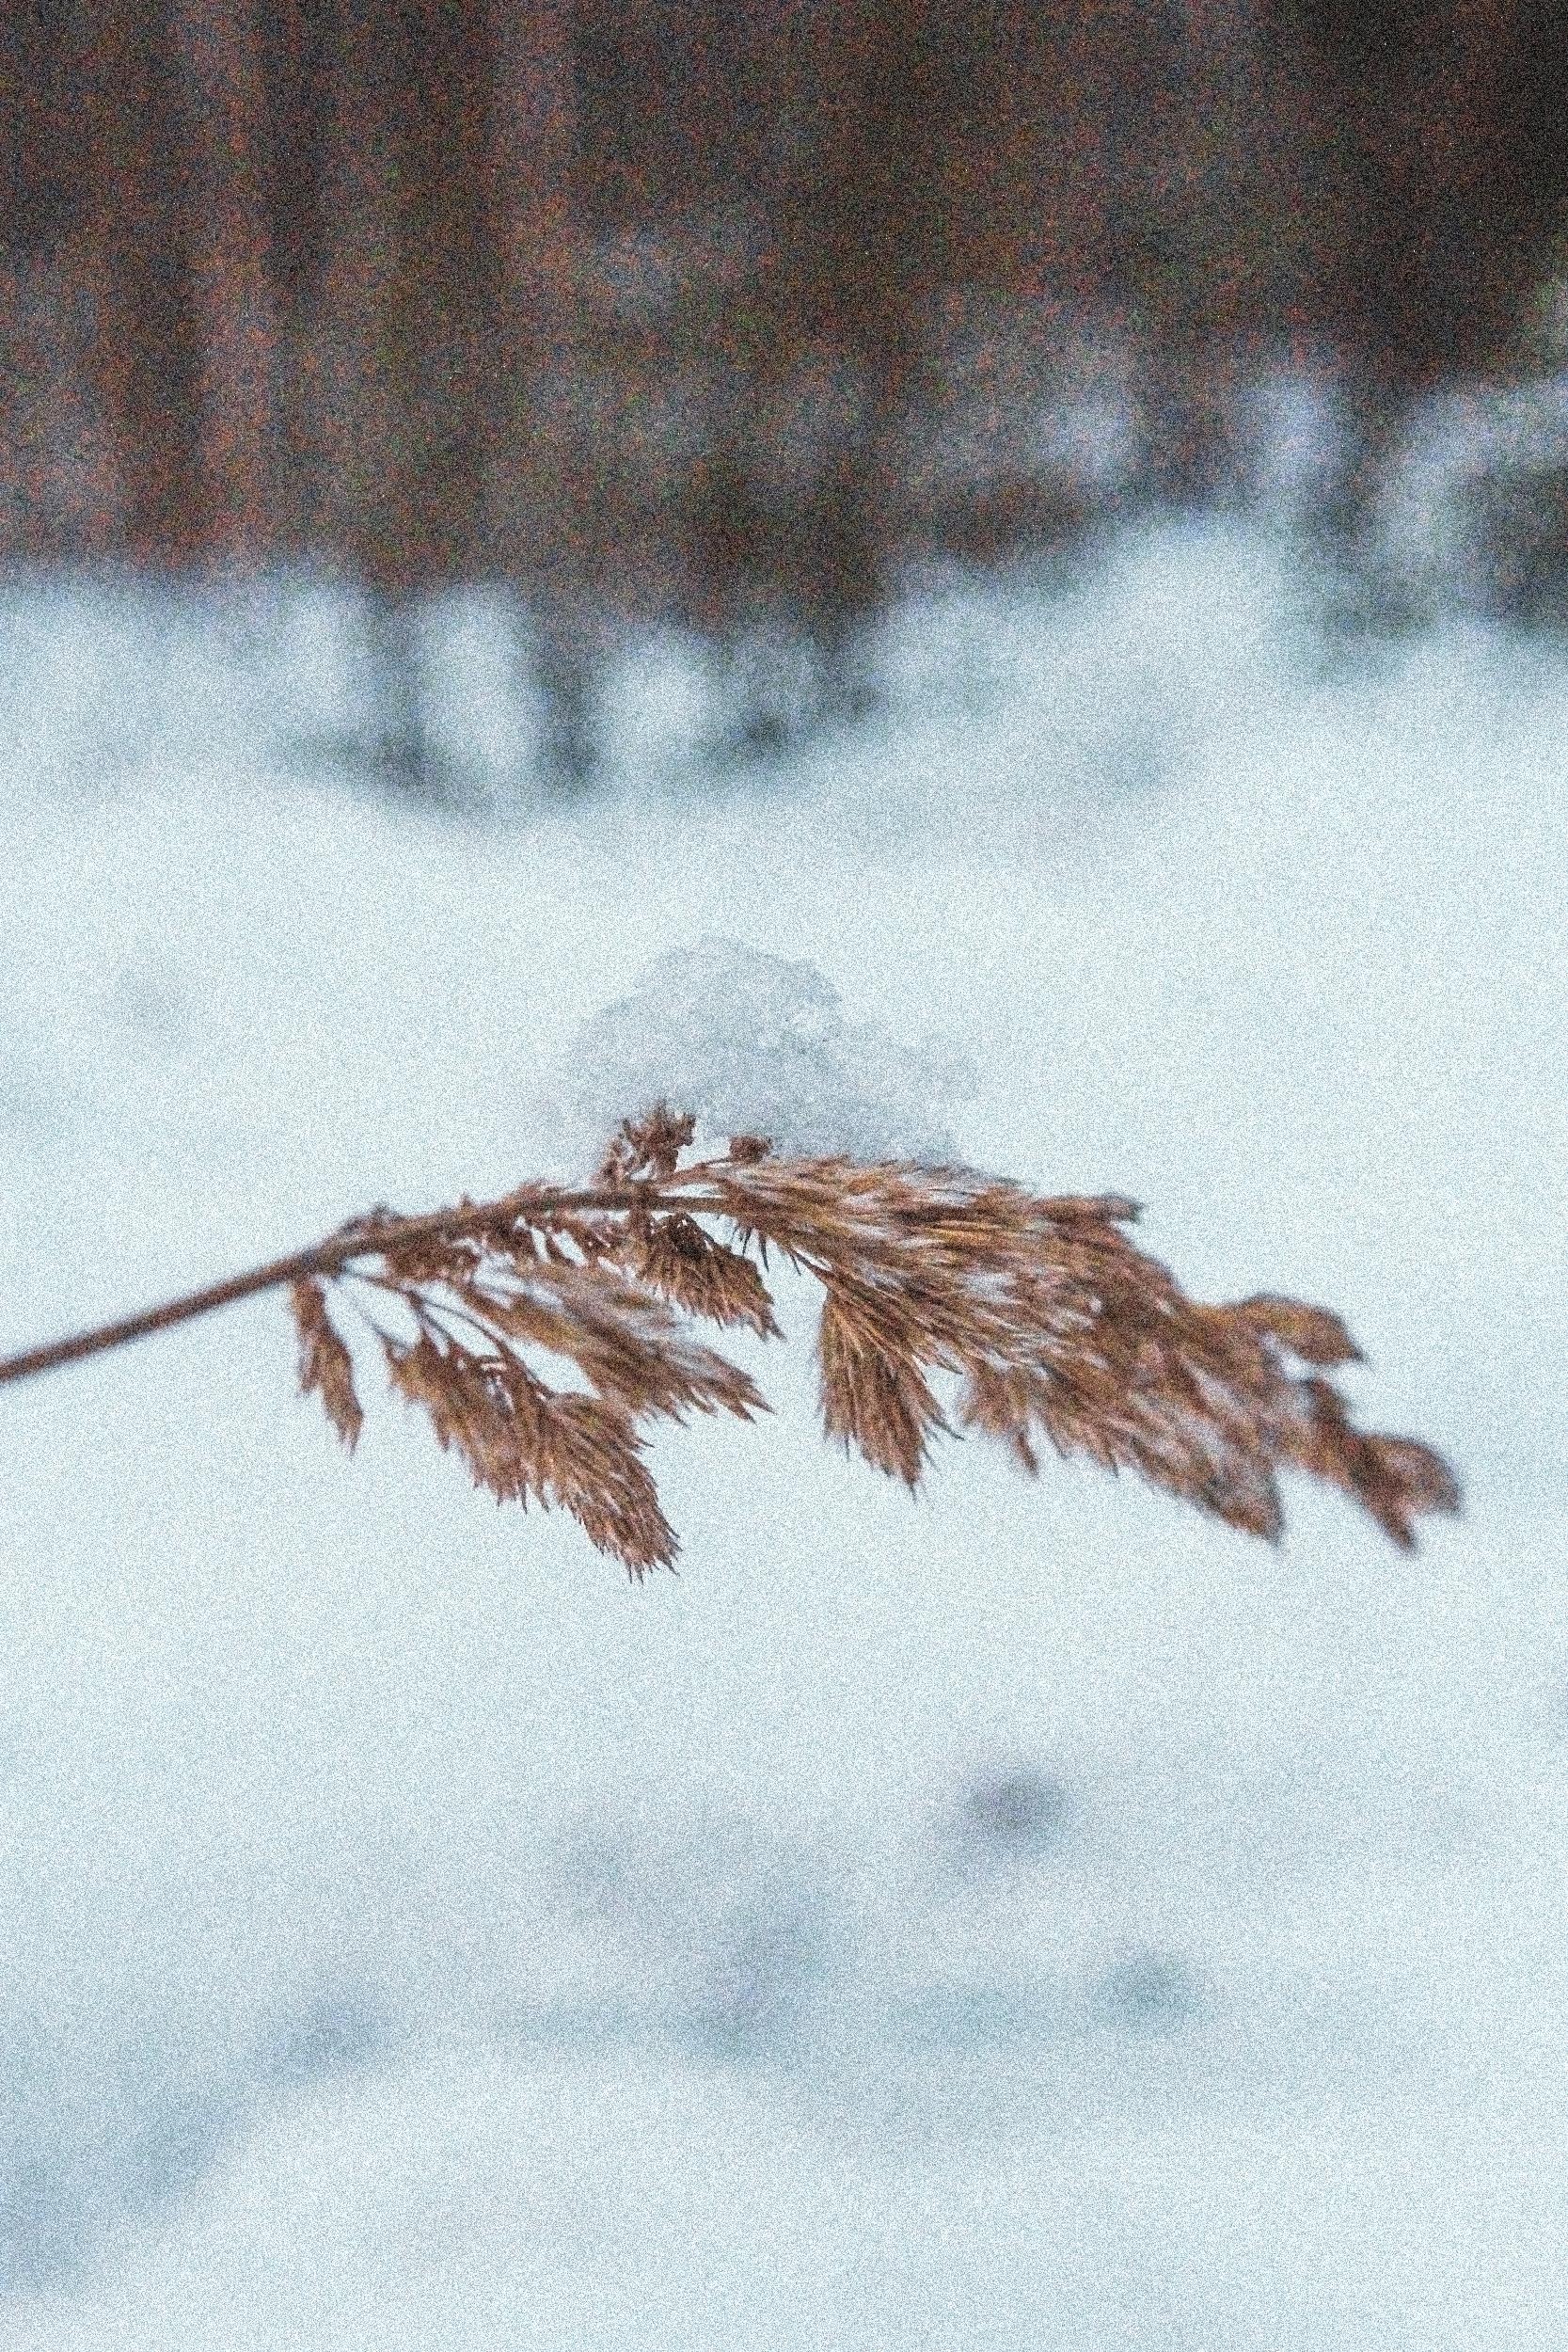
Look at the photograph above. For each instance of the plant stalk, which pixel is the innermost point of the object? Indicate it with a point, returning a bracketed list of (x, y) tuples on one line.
[(365, 1238)]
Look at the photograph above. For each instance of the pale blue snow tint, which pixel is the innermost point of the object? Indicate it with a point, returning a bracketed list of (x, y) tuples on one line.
[(1031, 1919)]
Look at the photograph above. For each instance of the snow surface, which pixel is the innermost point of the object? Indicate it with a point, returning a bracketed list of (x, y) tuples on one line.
[(1029, 1917), (752, 1044)]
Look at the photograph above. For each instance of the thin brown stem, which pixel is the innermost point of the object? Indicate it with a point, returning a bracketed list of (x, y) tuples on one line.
[(367, 1239)]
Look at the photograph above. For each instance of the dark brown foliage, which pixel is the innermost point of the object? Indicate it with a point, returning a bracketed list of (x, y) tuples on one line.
[(345, 280)]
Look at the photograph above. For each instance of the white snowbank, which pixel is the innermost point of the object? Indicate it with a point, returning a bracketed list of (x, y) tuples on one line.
[(1029, 1916)]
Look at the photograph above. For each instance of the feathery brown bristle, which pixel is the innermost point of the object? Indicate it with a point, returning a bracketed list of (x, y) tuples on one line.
[(324, 1364), (1039, 1312), (1312, 1333), (1057, 1327), (523, 1441), (682, 1263), (1049, 1324), (875, 1395), (649, 1147)]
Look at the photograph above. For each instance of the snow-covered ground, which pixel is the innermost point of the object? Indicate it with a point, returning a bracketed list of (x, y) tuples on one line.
[(1028, 1919)]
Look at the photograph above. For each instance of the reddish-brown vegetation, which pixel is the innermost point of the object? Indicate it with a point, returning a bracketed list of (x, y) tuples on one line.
[(951, 1301)]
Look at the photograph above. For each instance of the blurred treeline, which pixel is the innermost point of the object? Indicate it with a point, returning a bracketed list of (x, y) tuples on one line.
[(687, 307)]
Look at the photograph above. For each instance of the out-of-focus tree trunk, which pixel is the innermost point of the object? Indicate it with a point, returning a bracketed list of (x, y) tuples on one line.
[(1211, 206), (227, 238), (129, 260), (447, 285), (538, 522), (531, 188), (296, 54), (880, 96), (1440, 128), (1439, 181), (360, 414), (360, 354)]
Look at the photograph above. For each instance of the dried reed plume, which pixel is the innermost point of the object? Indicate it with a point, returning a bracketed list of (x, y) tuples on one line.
[(1039, 1317)]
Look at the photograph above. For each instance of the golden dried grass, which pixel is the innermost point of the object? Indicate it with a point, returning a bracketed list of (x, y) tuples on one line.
[(950, 1302), (1047, 1323)]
